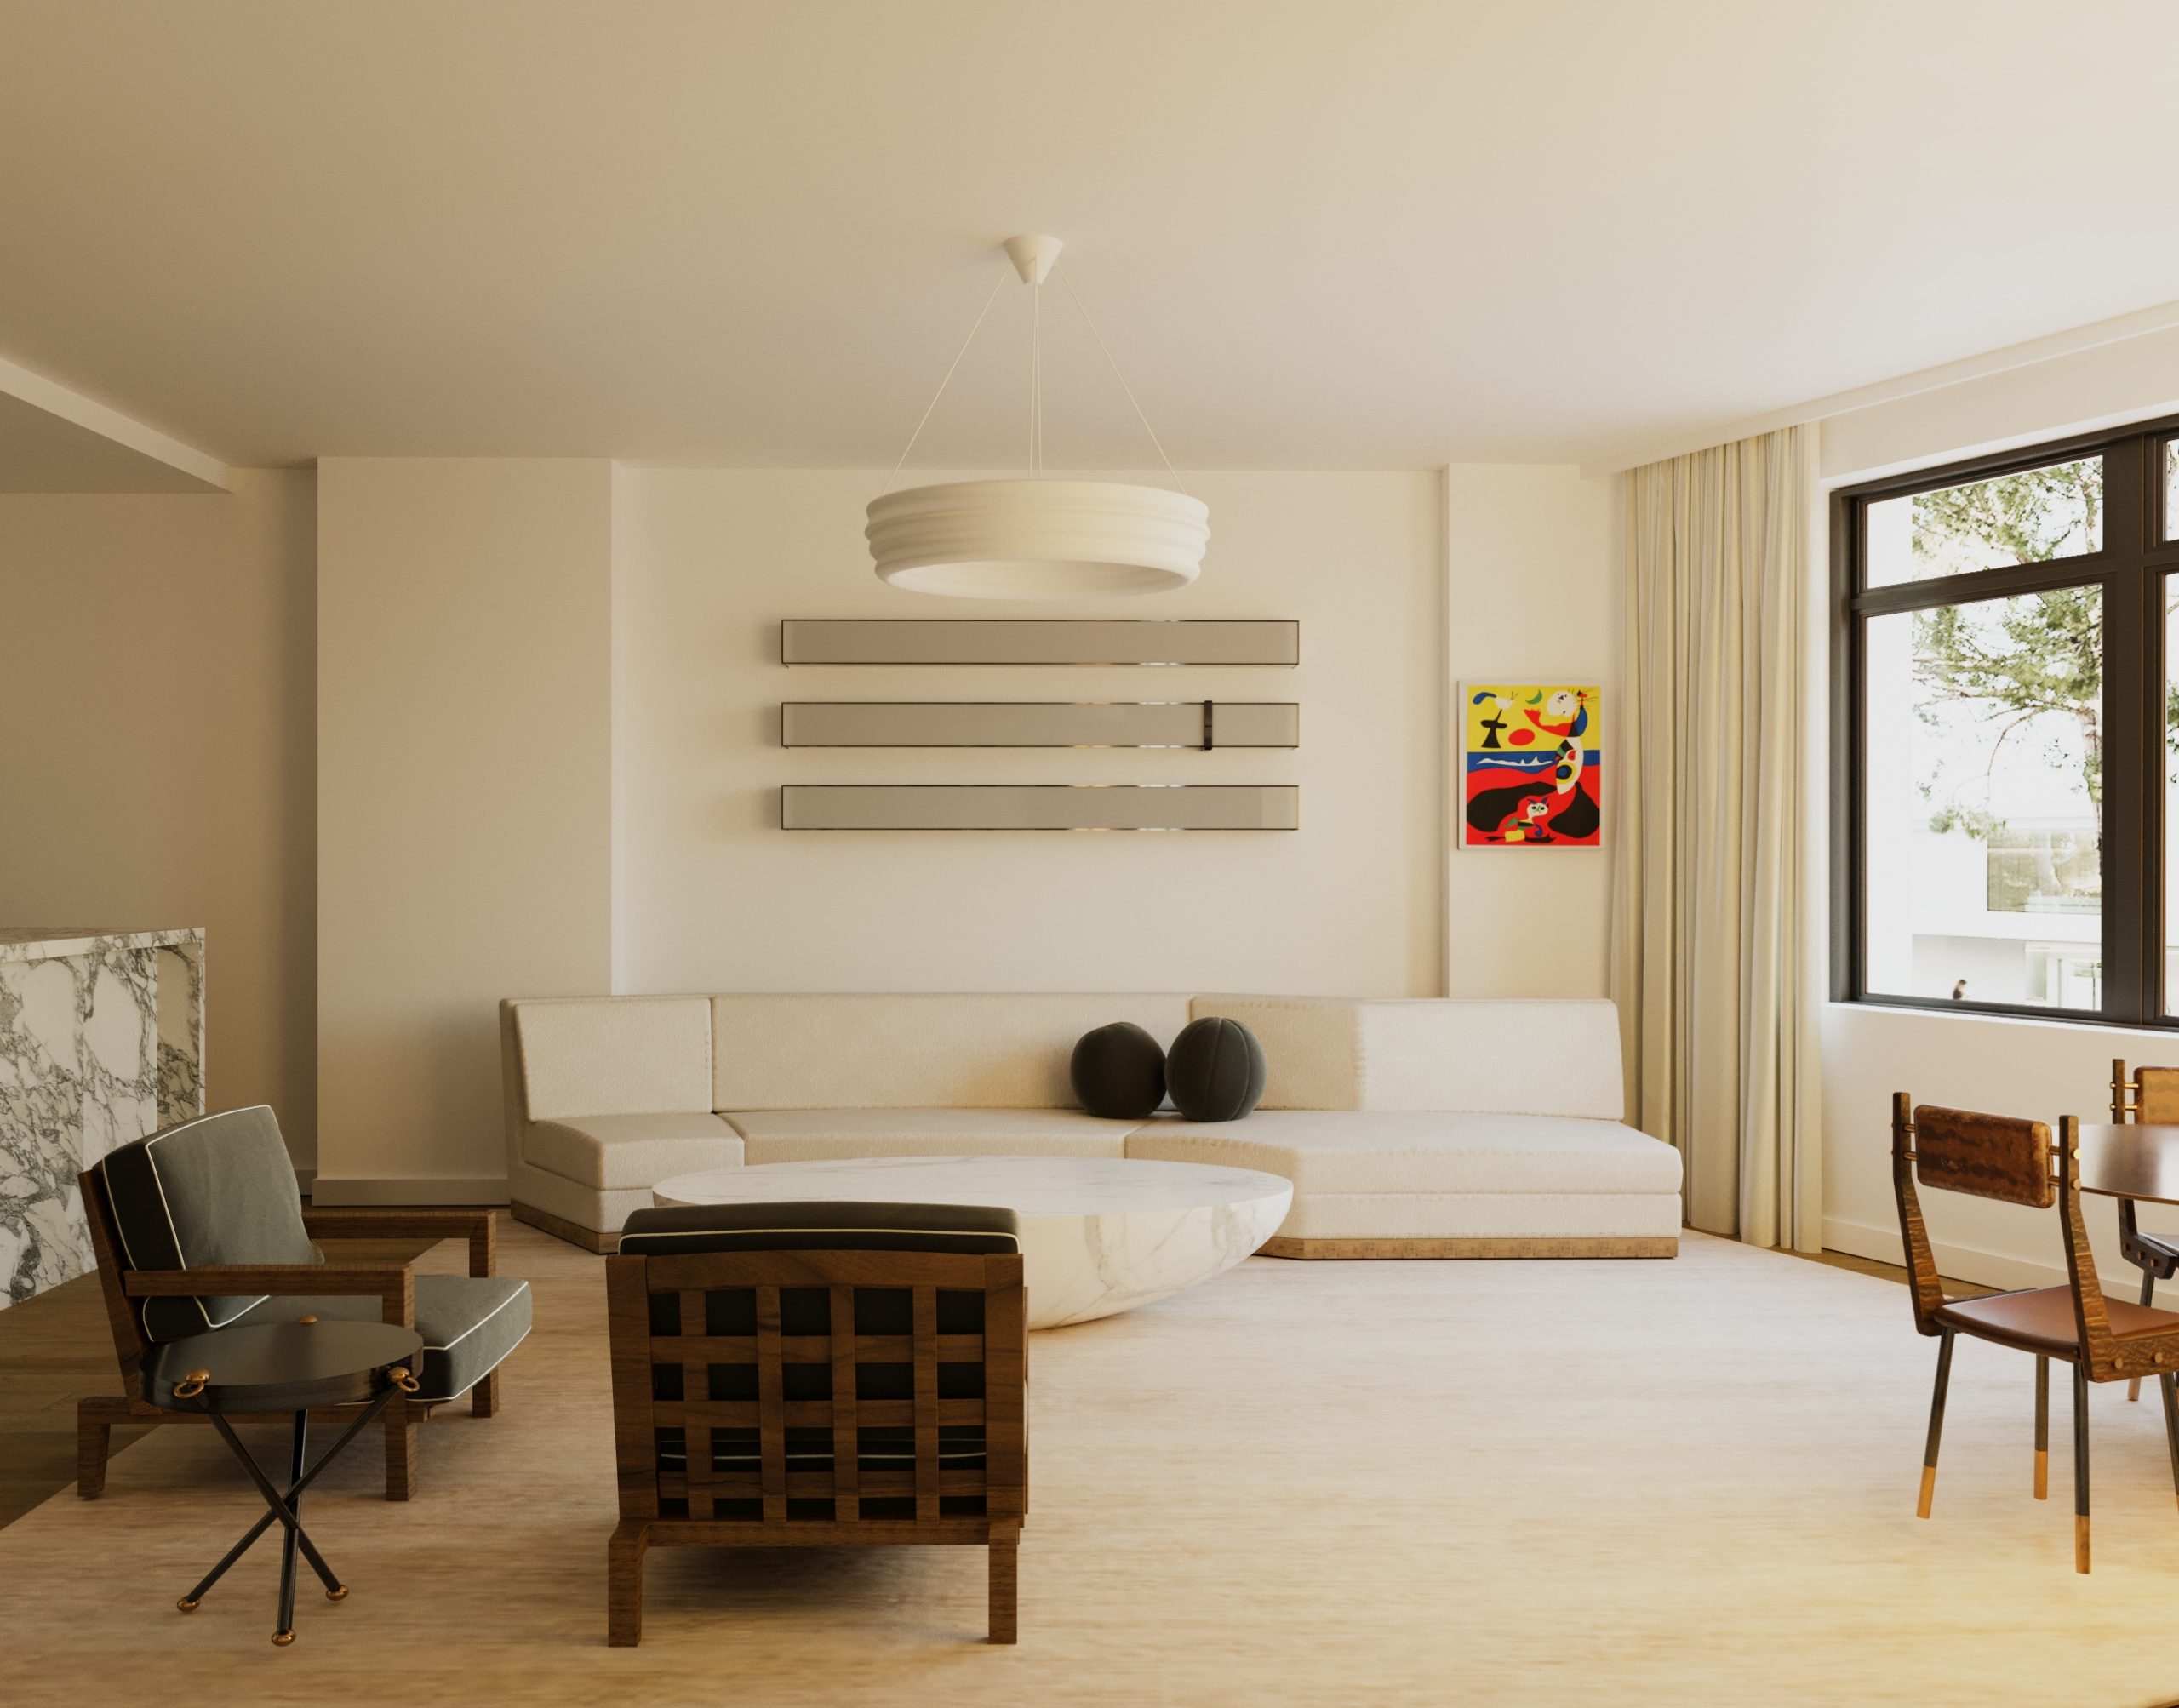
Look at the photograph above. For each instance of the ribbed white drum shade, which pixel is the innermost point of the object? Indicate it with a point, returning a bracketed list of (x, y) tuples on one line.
[(1038, 538)]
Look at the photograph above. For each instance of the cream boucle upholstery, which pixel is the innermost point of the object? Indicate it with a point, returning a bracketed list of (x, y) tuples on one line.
[(1513, 1058), (805, 1135), (614, 1055), (938, 1051), (612, 1151), (1396, 1120), (1349, 1151)]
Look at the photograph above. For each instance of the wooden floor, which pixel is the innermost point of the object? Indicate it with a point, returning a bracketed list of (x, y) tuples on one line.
[(1684, 1482)]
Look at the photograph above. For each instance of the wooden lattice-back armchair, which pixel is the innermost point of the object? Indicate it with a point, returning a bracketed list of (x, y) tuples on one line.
[(817, 1374), (200, 1227), (2105, 1340)]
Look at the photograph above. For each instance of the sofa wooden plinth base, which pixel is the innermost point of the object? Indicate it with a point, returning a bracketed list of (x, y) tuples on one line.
[(1282, 1246), (604, 1244)]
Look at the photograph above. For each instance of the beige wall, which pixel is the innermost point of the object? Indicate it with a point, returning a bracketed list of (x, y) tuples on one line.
[(464, 797), (157, 753), (1532, 594), (713, 895)]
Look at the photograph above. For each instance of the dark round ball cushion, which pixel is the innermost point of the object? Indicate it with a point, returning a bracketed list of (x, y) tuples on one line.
[(1215, 1070), (1118, 1073)]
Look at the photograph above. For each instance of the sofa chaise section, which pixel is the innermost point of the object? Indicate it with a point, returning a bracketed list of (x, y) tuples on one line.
[(1432, 1127)]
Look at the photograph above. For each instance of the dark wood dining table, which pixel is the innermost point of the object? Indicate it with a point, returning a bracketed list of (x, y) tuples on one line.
[(2134, 1161)]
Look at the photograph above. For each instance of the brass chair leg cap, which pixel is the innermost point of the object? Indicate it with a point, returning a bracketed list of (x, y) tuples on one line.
[(337, 1595), (281, 1638), (187, 1605)]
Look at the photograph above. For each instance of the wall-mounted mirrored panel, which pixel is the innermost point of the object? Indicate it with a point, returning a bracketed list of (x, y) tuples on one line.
[(1040, 807), (1037, 640), (1199, 724)]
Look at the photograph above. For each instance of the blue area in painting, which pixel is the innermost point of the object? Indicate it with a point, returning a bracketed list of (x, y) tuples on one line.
[(1537, 759)]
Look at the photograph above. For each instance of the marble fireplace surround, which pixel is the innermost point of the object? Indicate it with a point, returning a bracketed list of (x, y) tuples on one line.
[(101, 1040)]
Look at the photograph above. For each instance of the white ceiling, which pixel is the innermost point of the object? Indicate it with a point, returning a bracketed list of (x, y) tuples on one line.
[(1346, 233)]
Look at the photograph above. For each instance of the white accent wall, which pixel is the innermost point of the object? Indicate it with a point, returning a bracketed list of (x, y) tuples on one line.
[(465, 798), (713, 895), (551, 763)]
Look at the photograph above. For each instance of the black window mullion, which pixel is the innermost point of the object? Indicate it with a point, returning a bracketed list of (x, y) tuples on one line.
[(2128, 828), (2132, 570)]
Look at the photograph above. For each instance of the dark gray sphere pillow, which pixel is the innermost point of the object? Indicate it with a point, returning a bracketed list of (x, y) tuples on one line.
[(1216, 1071), (1118, 1073)]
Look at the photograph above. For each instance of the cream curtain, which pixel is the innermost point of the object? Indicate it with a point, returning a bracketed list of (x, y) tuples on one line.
[(1713, 953)]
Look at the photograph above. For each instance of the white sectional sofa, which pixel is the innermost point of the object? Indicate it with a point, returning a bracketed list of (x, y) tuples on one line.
[(1417, 1128)]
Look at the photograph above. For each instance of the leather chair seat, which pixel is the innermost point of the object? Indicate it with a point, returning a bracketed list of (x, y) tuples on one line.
[(2041, 1320)]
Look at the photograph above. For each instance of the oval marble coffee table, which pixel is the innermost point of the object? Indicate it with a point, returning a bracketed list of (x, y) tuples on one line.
[(1098, 1234)]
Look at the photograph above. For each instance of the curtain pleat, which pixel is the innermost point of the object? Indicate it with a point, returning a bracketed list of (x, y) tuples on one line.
[(1712, 961)]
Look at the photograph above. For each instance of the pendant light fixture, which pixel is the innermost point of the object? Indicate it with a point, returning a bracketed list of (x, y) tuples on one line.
[(1033, 538)]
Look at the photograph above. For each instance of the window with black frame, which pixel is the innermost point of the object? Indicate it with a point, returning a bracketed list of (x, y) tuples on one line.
[(2006, 737)]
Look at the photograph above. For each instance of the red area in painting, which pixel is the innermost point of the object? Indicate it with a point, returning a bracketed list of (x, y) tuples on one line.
[(1519, 805)]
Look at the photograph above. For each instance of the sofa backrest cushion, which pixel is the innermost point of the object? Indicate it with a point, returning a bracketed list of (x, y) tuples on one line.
[(924, 1050), (217, 1189), (1505, 1057), (614, 1055)]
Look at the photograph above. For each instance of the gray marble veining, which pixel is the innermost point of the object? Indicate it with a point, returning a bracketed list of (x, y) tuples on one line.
[(101, 1040)]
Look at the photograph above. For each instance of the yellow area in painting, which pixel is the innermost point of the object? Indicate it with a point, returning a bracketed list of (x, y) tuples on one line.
[(1518, 699)]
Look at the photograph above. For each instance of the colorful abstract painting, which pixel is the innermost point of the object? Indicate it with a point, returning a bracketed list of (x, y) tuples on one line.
[(1531, 766)]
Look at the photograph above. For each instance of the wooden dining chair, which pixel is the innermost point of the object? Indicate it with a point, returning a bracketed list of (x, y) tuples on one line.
[(2105, 1340), (2152, 1095)]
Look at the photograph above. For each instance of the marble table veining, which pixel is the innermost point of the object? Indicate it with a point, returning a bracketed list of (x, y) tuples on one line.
[(1098, 1234), (101, 1040)]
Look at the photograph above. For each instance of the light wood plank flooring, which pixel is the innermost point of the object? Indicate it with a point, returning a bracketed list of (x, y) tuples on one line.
[(1685, 1482)]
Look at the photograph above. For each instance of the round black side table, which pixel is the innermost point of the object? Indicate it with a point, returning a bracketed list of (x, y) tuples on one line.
[(287, 1367)]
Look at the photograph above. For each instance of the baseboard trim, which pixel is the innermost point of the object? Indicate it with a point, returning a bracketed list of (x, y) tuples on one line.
[(1282, 1246), (417, 1189), (604, 1244), (1959, 1262)]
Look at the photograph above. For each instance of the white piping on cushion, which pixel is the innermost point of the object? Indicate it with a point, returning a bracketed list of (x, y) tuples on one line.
[(521, 1291), (447, 1399)]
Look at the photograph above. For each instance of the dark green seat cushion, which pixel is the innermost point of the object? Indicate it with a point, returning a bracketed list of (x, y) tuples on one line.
[(217, 1189), (821, 1227), (468, 1324)]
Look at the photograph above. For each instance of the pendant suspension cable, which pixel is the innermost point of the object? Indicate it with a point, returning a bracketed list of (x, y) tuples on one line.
[(1178, 484), (944, 383)]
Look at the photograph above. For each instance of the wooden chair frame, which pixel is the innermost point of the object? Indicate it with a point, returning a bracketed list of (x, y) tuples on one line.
[(1001, 1484), (394, 1284), (2097, 1357), (2156, 1258)]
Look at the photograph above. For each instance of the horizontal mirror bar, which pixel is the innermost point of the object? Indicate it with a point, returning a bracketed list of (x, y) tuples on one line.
[(1039, 807), (1198, 723), (1038, 641)]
